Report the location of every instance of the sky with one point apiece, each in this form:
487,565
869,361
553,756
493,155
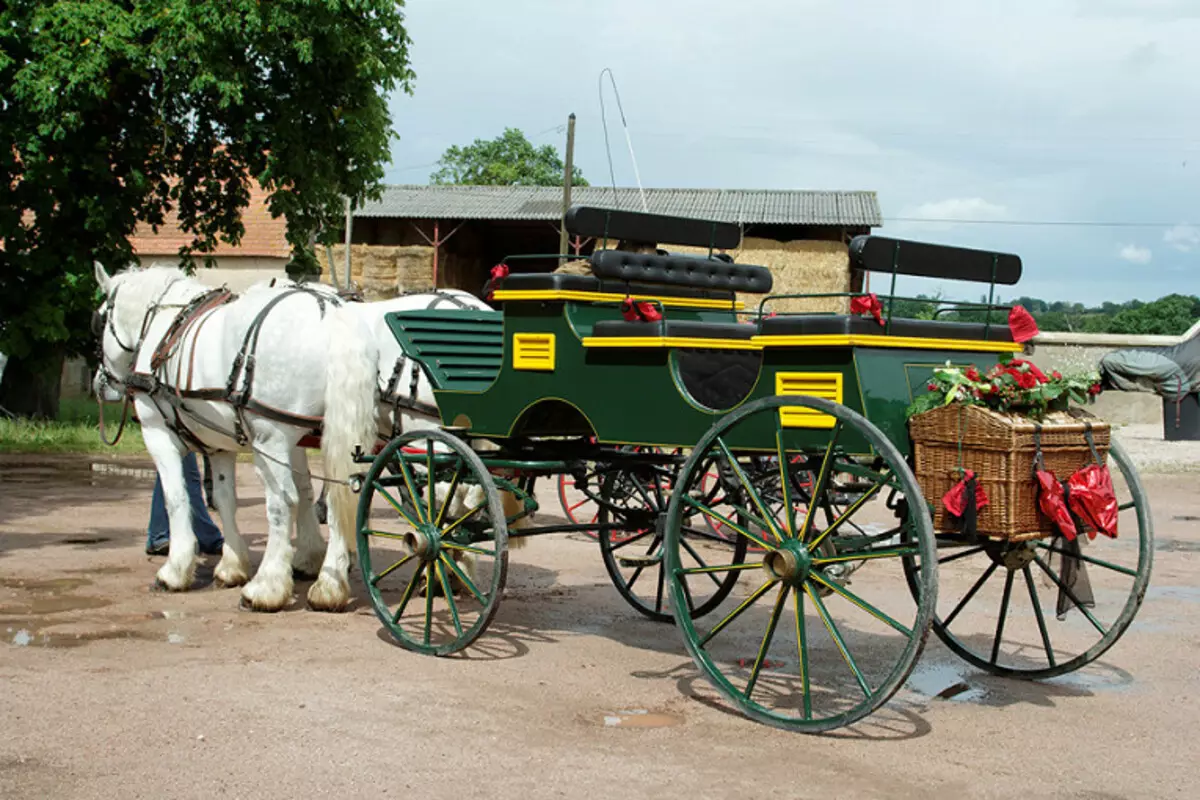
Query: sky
969,119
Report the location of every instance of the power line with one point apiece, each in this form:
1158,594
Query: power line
1047,223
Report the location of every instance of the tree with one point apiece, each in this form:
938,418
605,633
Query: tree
508,160
1169,316
115,112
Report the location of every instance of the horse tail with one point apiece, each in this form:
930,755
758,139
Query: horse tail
350,408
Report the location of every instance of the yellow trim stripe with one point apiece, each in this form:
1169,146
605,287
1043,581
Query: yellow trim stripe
872,340
669,341
607,297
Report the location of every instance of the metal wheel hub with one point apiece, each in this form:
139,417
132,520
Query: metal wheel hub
790,563
424,544
1013,556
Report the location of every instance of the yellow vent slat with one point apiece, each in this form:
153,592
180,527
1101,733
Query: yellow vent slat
533,351
826,385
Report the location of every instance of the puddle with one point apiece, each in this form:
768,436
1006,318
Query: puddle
1177,545
112,570
1186,518
35,471
44,584
30,632
641,718
945,682
86,540
51,604
1188,593
55,639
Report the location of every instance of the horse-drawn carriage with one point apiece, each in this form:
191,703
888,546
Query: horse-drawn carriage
753,473
745,467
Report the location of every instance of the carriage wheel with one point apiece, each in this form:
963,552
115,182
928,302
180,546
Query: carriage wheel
434,566
633,555
1043,608
577,511
795,646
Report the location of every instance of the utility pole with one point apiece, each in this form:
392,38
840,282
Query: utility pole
567,176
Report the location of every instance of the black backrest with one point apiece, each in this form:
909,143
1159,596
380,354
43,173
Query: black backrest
660,228
921,259
701,273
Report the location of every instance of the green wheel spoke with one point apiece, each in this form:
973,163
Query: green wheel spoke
802,646
719,568
377,578
464,517
1127,506
432,483
769,524
449,493
858,601
733,526
428,600
766,640
466,548
964,554
1090,559
412,491
836,635
867,555
692,551
1071,596
394,504
630,540
1037,610
737,612
408,593
789,515
967,597
1008,582
845,515
462,576
384,534
821,482
441,572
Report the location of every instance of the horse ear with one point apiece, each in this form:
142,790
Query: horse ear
102,277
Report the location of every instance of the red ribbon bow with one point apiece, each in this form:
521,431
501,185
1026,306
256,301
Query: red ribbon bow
639,311
867,304
955,500
1022,324
499,273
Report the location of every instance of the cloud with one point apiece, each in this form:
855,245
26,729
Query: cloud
960,208
1136,255
1183,238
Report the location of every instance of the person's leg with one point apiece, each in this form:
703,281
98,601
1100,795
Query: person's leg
159,531
208,535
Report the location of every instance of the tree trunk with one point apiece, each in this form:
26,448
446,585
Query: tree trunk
30,387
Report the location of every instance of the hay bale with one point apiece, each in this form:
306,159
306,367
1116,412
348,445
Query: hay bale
414,268
576,267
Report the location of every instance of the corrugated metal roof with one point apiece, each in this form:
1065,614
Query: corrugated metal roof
746,206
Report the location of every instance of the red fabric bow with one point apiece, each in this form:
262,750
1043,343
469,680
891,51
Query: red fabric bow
499,273
639,312
955,500
867,304
1022,324
1093,500
1053,503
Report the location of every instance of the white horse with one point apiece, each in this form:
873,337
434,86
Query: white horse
311,363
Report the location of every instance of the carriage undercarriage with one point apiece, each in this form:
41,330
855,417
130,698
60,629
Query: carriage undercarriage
749,526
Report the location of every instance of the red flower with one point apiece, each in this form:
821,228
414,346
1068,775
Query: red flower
1094,389
1027,380
972,374
931,386
1056,375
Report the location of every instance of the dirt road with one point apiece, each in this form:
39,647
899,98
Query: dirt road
111,690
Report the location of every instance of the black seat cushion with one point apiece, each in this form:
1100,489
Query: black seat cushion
701,273
680,328
551,281
837,324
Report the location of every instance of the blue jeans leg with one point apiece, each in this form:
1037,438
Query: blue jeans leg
208,535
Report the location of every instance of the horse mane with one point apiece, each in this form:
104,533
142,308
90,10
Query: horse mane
143,286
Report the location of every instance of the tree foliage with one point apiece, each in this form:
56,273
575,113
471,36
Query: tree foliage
115,112
508,160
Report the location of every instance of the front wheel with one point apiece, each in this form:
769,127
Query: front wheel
434,563
795,646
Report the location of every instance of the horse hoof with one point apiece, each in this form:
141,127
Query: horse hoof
247,606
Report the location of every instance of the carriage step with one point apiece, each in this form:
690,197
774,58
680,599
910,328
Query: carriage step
640,561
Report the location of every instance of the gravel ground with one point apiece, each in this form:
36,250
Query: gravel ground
114,691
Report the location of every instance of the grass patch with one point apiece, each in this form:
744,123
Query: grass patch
77,430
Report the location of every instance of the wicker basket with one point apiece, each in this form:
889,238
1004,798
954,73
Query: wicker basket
1000,449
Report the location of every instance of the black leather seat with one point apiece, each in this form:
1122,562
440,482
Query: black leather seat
677,270
549,281
837,324
676,328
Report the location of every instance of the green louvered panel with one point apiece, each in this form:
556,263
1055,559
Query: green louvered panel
461,350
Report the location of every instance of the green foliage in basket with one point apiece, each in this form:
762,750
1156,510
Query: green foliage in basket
1014,385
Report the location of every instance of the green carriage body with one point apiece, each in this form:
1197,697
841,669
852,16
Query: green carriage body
539,368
